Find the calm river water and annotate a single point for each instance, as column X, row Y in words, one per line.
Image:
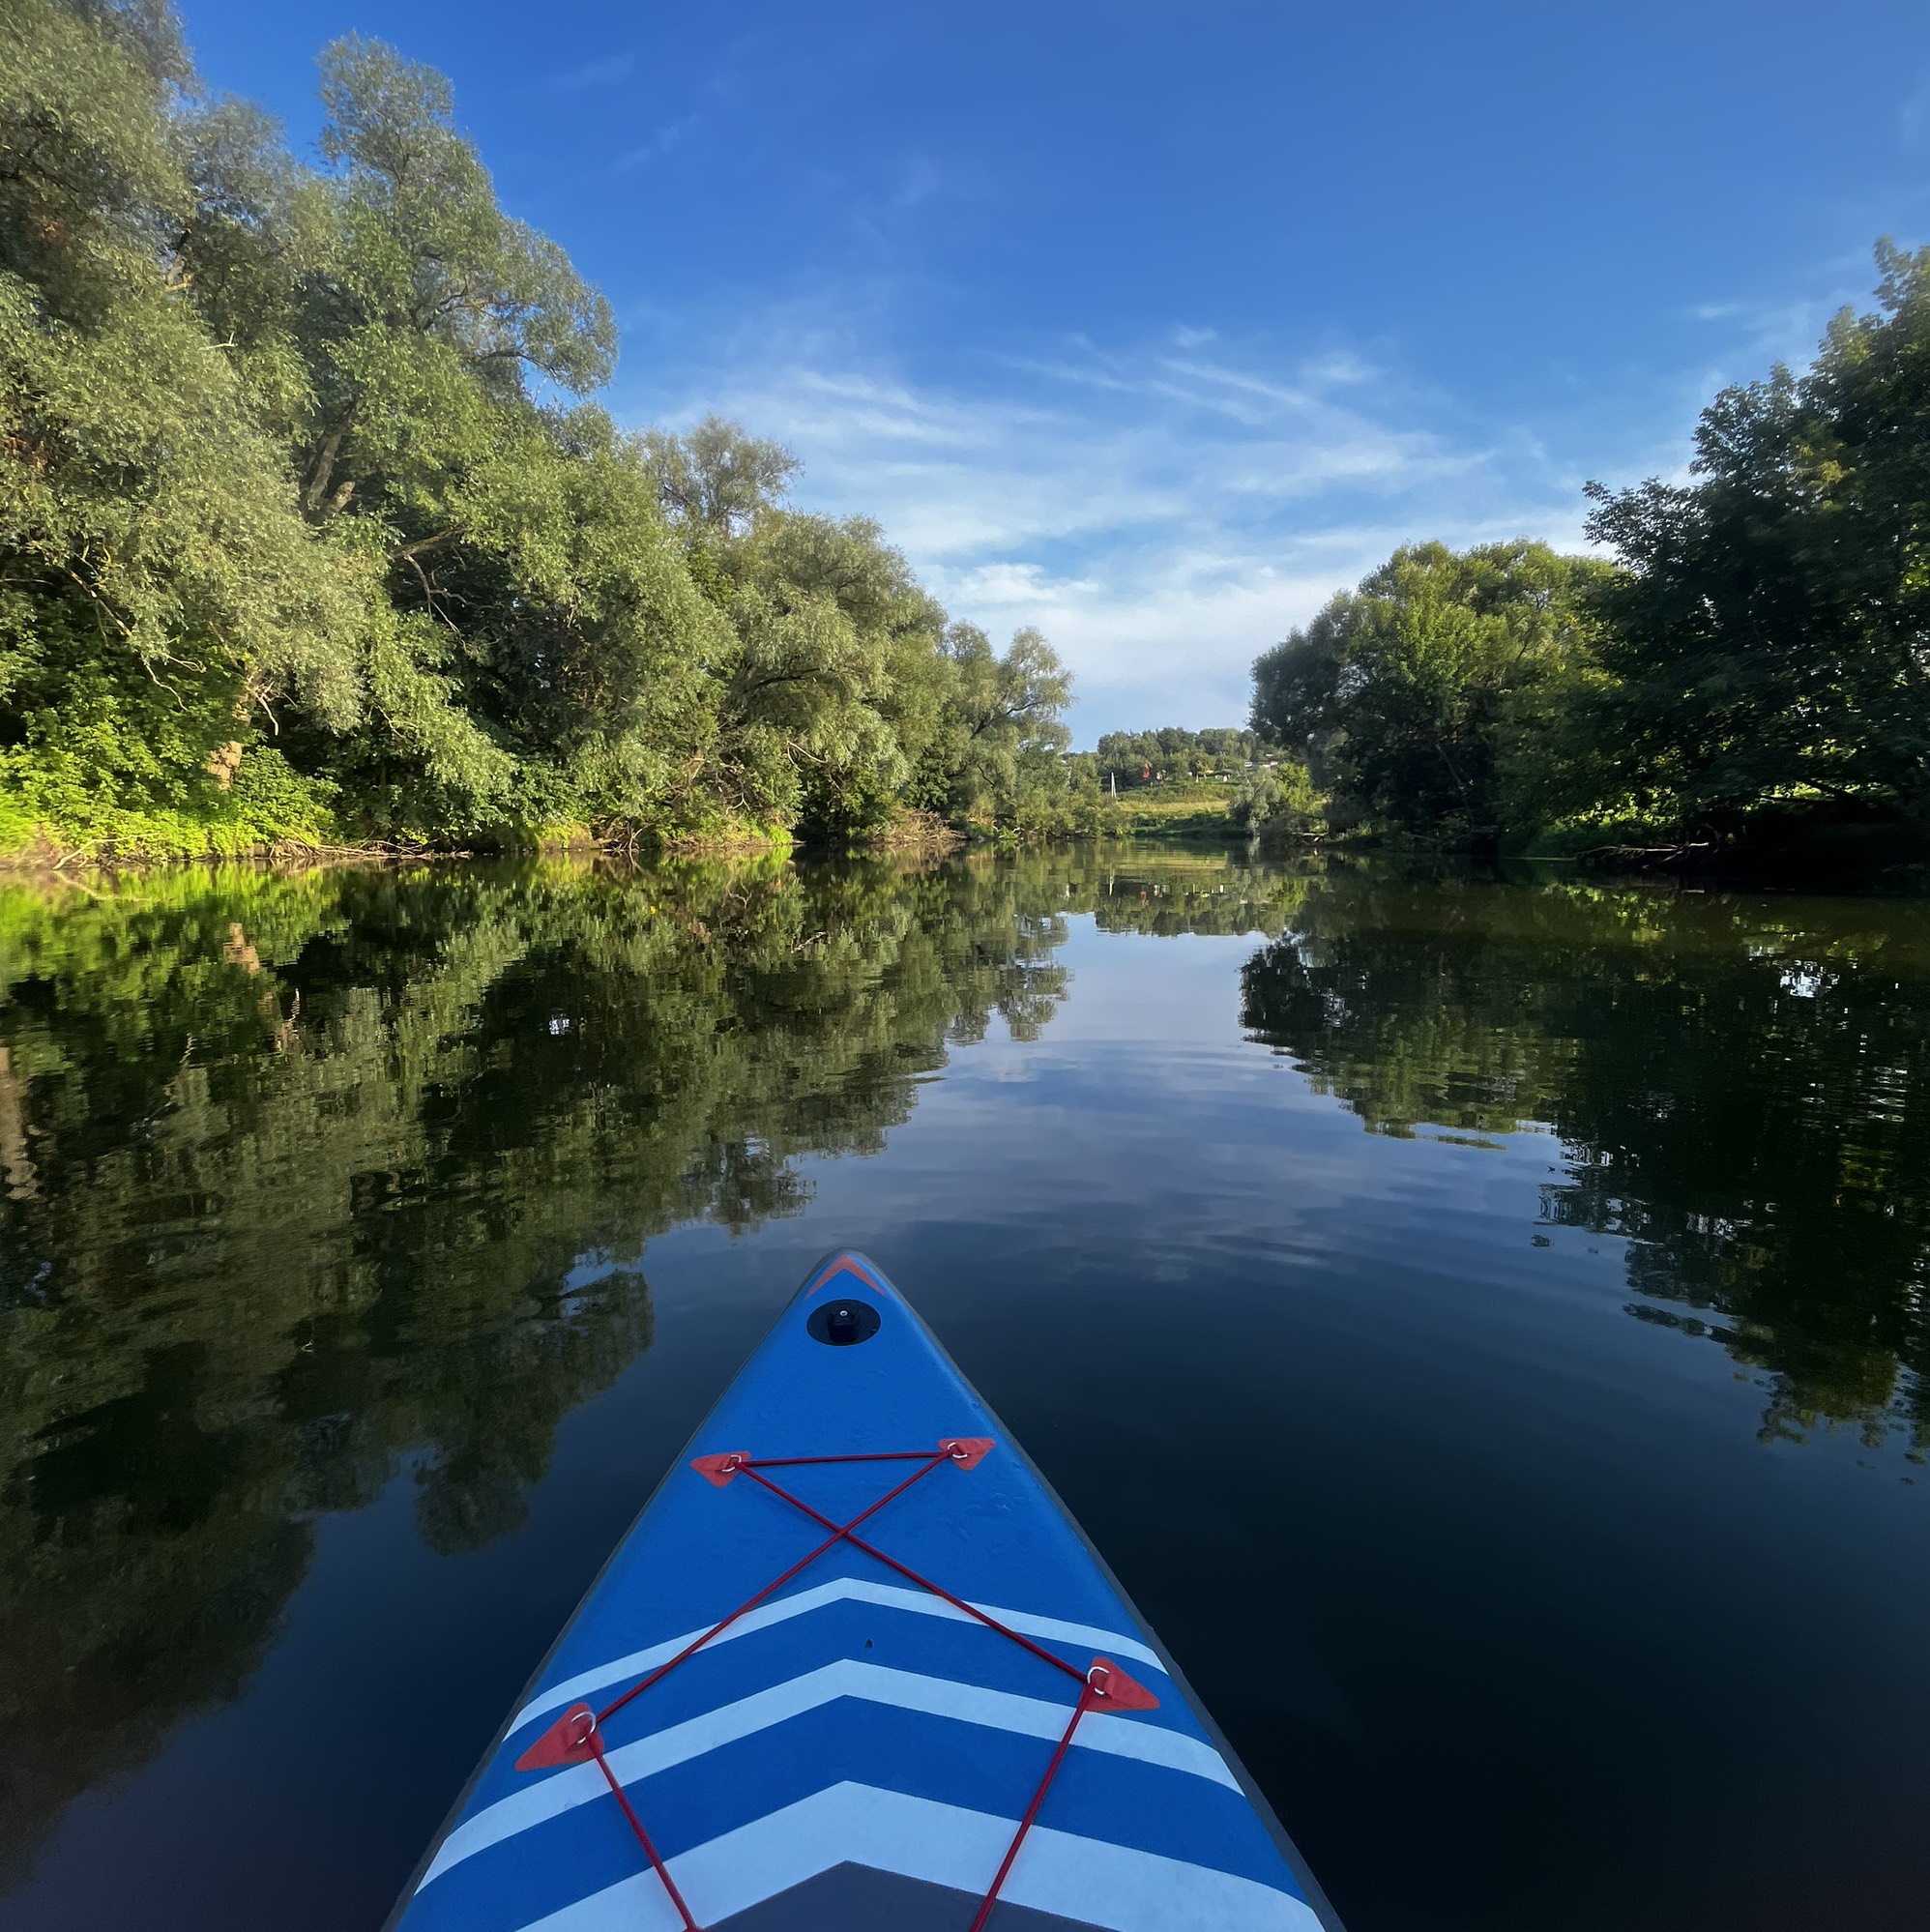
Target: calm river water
column 1483, row 1321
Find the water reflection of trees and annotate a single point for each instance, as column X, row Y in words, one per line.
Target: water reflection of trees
column 312, row 1179
column 1166, row 895
column 309, row 1179
column 1743, row 1089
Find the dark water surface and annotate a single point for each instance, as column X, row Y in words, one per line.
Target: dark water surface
column 1482, row 1321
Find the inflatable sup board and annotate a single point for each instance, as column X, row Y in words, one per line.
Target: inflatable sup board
column 854, row 1669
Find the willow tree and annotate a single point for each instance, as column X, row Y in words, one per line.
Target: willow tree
column 1420, row 697
column 309, row 520
column 845, row 693
column 160, row 594
column 543, row 647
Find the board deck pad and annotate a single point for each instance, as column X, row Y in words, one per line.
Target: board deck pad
column 789, row 1704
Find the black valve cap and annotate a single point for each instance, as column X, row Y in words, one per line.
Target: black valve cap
column 843, row 1324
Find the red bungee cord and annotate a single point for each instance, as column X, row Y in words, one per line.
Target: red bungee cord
column 578, row 1736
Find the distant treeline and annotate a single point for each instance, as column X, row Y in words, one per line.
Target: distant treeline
column 1750, row 657
column 307, row 532
column 1145, row 757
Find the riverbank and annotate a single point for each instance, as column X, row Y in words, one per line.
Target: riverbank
column 136, row 841
column 1888, row 860
column 152, row 842
column 1778, row 854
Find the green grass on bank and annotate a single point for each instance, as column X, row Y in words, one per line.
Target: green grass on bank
column 1190, row 808
column 35, row 840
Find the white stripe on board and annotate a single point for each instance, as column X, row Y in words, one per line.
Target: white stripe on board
column 1081, row 1879
column 843, row 1589
column 935, row 1696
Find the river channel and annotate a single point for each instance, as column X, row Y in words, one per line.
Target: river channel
column 1481, row 1320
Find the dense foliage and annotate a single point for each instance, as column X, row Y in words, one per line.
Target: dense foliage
column 1768, row 638
column 1276, row 799
column 307, row 528
column 1418, row 697
column 1145, row 758
column 310, row 529
column 1757, row 652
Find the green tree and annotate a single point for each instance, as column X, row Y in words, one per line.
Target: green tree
column 1001, row 739
column 546, row 651
column 1127, row 758
column 160, row 595
column 309, row 522
column 1413, row 698
column 1277, row 800
column 834, row 684
column 1766, row 634
column 717, row 480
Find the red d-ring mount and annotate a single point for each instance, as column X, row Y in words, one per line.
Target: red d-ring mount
column 1110, row 1688
column 569, row 1740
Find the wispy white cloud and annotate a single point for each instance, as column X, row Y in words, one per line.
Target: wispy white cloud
column 1914, row 117
column 921, row 179
column 1164, row 510
column 660, row 142
column 604, row 72
column 1767, row 328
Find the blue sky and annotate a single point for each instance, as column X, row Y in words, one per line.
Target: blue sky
column 1154, row 324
